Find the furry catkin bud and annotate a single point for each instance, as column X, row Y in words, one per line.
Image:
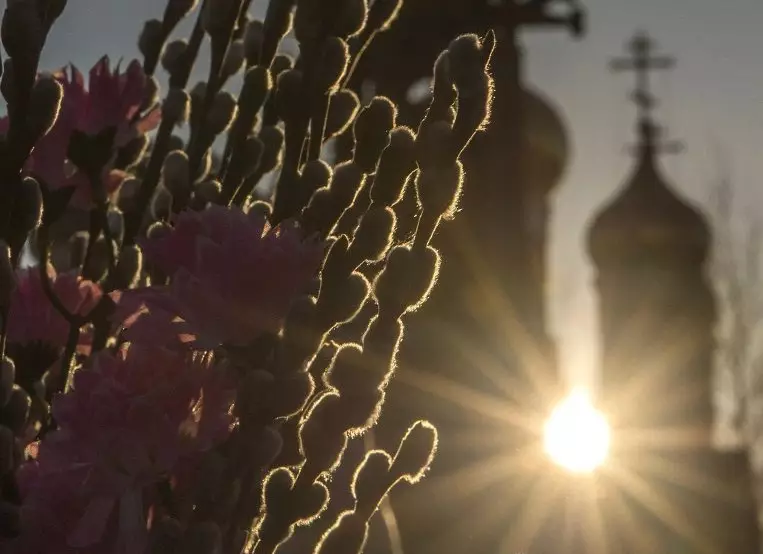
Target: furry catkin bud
column 157, row 230
column 434, row 145
column 321, row 435
column 253, row 42
column 407, row 279
column 126, row 196
column 371, row 131
column 177, row 105
column 7, row 275
column 208, row 190
column 161, row 203
column 350, row 20
column 342, row 110
column 151, row 38
column 257, row 85
column 397, row 163
column 348, row 535
column 416, row 452
column 335, row 57
column 176, row 173
column 45, row 103
column 372, row 478
column 7, row 378
column 23, row 31
column 439, row 189
column 347, row 372
column 342, row 301
column 116, row 223
column 217, row 16
column 222, row 113
column 347, row 182
column 373, row 236
column 466, row 59
column 281, row 63
column 315, row 174
column 275, row 491
column 246, row 159
column 272, row 142
column 260, row 208
column 132, row 152
column 289, row 98
column 130, row 265
column 27, row 209
column 16, row 412
column 234, row 59
column 77, row 248
column 172, row 56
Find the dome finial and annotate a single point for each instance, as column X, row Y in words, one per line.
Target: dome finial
column 641, row 62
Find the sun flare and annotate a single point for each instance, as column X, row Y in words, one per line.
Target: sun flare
column 576, row 435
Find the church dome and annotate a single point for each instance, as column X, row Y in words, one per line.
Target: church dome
column 648, row 218
column 546, row 141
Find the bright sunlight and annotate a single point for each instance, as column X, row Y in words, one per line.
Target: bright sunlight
column 576, row 435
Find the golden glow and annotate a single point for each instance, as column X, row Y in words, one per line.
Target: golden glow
column 576, row 435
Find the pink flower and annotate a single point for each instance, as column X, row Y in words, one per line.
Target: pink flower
column 113, row 100
column 130, row 420
column 33, row 318
column 233, row 277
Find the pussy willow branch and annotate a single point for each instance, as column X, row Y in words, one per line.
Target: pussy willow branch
column 134, row 218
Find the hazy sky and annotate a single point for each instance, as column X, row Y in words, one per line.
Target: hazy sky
column 713, row 101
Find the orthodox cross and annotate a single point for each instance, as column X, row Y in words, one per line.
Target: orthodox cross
column 642, row 62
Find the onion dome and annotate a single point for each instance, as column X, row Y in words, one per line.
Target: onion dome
column 546, row 142
column 648, row 219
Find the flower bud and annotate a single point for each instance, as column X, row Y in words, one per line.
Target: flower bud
column 397, row 163
column 434, row 145
column 321, row 436
column 116, row 224
column 45, row 103
column 373, row 236
column 234, row 59
column 77, row 248
column 177, row 105
column 7, row 275
column 247, row 158
column 208, row 191
column 253, row 42
column 7, row 379
column 161, row 204
column 257, row 85
column 416, row 452
column 16, row 411
column 371, row 131
column 438, row 189
column 289, row 95
column 127, row 194
column 218, row 16
column 465, row 54
column 342, row 110
column 151, row 38
column 222, row 113
column 173, row 55
column 350, row 20
column 372, row 478
column 260, row 208
column 176, row 173
column 23, row 31
column 272, row 141
column 335, row 57
column 158, row 230
column 130, row 265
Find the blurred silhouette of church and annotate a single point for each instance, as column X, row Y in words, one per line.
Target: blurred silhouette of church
column 478, row 359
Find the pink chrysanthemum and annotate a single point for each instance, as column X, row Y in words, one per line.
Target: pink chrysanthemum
column 129, row 421
column 112, row 101
column 233, row 277
column 33, row 318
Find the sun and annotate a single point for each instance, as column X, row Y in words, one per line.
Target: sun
column 576, row 435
